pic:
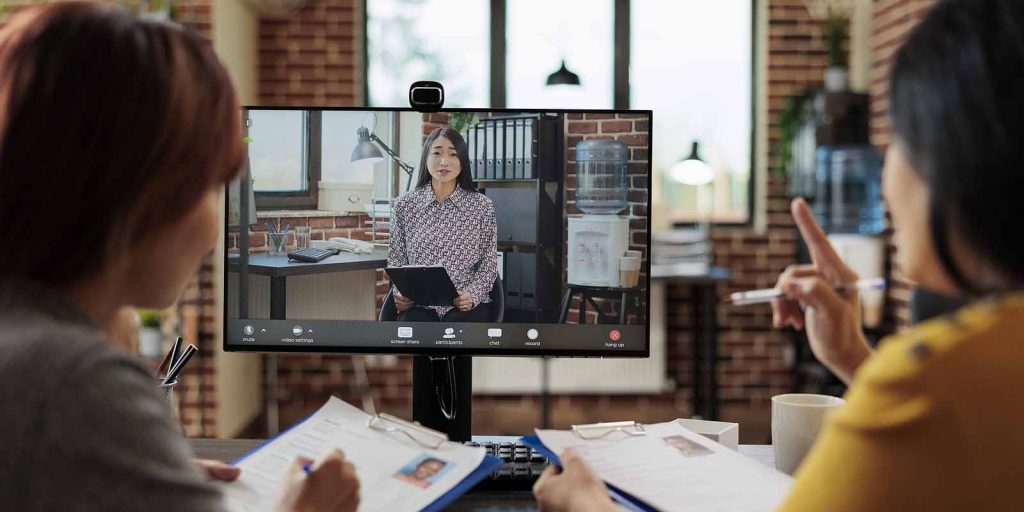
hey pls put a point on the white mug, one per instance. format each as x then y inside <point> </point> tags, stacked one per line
<point>796,420</point>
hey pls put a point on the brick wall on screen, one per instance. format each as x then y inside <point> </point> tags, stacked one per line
<point>312,58</point>
<point>891,24</point>
<point>633,130</point>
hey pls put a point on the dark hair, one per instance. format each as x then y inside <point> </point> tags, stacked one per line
<point>110,128</point>
<point>956,99</point>
<point>465,179</point>
<point>431,459</point>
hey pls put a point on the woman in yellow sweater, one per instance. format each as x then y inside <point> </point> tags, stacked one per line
<point>931,418</point>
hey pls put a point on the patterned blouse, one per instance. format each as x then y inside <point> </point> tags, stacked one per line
<point>459,233</point>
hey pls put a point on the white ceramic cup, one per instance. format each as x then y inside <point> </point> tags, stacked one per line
<point>796,421</point>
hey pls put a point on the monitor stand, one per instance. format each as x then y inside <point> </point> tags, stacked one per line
<point>442,394</point>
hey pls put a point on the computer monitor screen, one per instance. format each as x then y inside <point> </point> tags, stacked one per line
<point>489,232</point>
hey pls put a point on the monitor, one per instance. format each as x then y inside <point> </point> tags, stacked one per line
<point>520,233</point>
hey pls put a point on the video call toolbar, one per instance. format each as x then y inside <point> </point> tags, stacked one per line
<point>414,336</point>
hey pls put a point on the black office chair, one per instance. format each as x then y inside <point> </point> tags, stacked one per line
<point>388,312</point>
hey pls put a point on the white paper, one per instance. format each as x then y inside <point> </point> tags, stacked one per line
<point>385,463</point>
<point>672,468</point>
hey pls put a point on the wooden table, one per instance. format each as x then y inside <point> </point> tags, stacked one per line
<point>476,501</point>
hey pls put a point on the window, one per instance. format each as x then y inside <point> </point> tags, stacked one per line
<point>578,32</point>
<point>284,158</point>
<point>691,61</point>
<point>339,136</point>
<point>443,40</point>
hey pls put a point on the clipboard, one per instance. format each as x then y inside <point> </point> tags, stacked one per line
<point>593,431</point>
<point>429,438</point>
<point>426,286</point>
<point>426,437</point>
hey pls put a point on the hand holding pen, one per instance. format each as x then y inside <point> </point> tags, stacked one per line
<point>831,306</point>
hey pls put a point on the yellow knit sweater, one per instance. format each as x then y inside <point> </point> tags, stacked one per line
<point>933,421</point>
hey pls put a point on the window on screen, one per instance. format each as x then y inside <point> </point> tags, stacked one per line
<point>277,156</point>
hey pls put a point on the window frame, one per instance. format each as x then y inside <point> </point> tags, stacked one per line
<point>311,162</point>
<point>620,80</point>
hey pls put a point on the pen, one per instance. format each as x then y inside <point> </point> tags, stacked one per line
<point>766,295</point>
<point>271,232</point>
<point>172,374</point>
<point>165,364</point>
<point>174,353</point>
<point>307,468</point>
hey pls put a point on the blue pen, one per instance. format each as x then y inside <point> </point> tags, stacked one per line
<point>307,468</point>
<point>271,232</point>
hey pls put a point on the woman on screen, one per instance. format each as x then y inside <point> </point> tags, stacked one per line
<point>117,136</point>
<point>930,417</point>
<point>446,221</point>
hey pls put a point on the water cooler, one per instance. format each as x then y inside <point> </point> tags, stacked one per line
<point>599,237</point>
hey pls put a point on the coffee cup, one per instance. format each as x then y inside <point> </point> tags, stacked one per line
<point>797,419</point>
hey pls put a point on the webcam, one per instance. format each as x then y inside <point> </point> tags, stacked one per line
<point>426,96</point>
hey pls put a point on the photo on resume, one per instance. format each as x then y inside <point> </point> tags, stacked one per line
<point>423,471</point>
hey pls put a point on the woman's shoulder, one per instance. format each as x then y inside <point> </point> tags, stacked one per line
<point>932,361</point>
<point>480,200</point>
<point>982,330</point>
<point>406,197</point>
<point>50,354</point>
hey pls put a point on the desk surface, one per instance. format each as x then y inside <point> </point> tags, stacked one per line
<point>489,501</point>
<point>279,266</point>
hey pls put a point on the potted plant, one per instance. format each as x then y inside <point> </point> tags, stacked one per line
<point>835,18</point>
<point>461,121</point>
<point>150,336</point>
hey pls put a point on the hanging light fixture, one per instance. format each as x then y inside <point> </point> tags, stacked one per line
<point>563,76</point>
<point>692,170</point>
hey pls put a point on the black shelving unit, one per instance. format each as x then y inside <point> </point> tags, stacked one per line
<point>518,162</point>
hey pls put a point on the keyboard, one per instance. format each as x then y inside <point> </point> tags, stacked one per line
<point>521,466</point>
<point>312,255</point>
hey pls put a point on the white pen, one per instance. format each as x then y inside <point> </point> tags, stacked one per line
<point>766,295</point>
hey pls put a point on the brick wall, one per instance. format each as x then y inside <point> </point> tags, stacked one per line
<point>892,22</point>
<point>321,228</point>
<point>753,366</point>
<point>313,57</point>
<point>296,56</point>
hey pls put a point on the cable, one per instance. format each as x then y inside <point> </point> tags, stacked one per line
<point>449,414</point>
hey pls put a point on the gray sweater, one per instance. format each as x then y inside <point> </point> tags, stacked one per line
<point>82,426</point>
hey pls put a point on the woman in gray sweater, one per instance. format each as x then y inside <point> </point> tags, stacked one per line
<point>116,138</point>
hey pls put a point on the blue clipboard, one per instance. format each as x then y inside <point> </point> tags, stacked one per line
<point>486,467</point>
<point>625,499</point>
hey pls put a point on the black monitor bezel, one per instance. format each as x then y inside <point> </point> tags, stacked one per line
<point>444,352</point>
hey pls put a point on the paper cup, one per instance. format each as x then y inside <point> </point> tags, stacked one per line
<point>796,421</point>
<point>629,271</point>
